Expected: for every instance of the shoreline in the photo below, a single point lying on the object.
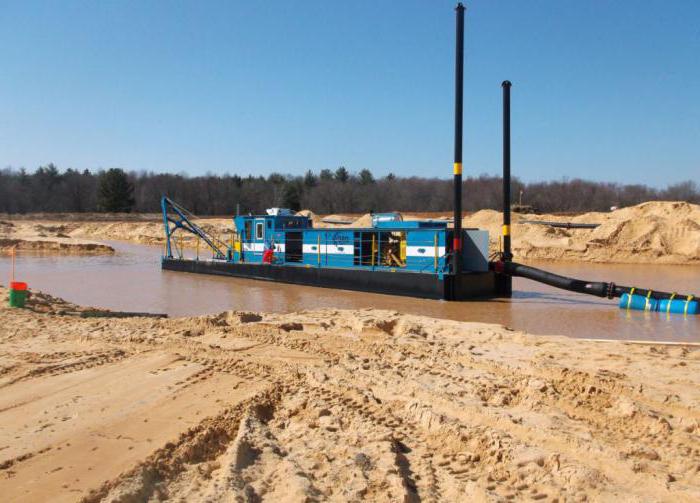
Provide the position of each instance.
(323, 404)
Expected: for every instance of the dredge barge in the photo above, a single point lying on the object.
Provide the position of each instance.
(412, 258)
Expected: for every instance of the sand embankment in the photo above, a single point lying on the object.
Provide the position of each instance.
(336, 405)
(649, 233)
(40, 238)
(78, 229)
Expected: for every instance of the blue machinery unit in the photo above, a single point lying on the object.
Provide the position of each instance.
(416, 246)
(403, 258)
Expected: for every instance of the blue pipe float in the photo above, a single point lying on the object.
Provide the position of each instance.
(630, 297)
(677, 305)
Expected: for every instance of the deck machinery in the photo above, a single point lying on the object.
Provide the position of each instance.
(412, 258)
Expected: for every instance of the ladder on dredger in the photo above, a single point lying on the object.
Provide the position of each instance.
(181, 218)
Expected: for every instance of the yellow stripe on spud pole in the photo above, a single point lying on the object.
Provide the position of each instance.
(458, 168)
(506, 230)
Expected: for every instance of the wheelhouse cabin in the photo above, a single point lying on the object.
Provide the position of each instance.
(283, 238)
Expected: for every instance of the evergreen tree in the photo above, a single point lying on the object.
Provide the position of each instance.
(276, 178)
(366, 177)
(115, 192)
(310, 179)
(292, 195)
(341, 174)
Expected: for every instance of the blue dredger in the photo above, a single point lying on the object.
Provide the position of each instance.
(412, 258)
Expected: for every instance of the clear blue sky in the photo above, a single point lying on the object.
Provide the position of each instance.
(605, 90)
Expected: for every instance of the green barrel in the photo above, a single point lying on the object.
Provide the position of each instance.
(17, 298)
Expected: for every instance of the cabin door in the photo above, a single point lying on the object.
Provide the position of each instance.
(259, 232)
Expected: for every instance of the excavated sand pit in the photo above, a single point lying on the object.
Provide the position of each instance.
(649, 233)
(336, 405)
(32, 237)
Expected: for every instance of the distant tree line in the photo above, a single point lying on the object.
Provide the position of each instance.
(49, 189)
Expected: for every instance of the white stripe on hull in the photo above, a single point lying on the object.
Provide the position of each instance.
(411, 251)
(329, 249)
(424, 251)
(260, 247)
(253, 247)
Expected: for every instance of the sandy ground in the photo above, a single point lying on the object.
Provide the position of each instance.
(336, 406)
(653, 232)
(649, 233)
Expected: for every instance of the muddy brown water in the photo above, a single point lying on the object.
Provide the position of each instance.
(131, 280)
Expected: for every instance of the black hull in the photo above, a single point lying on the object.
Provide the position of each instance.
(481, 285)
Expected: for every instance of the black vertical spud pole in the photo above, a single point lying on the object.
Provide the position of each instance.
(507, 255)
(459, 90)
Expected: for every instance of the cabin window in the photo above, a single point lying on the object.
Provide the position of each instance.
(259, 230)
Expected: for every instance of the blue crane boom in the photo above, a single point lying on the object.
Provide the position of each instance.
(180, 220)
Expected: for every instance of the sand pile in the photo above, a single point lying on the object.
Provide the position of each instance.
(32, 237)
(150, 233)
(364, 221)
(55, 245)
(336, 405)
(325, 221)
(83, 236)
(144, 233)
(654, 232)
(313, 216)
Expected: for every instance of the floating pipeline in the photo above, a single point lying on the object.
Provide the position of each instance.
(687, 305)
(630, 297)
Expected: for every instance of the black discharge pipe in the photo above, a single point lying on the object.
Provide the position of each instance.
(597, 288)
(560, 225)
(457, 171)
